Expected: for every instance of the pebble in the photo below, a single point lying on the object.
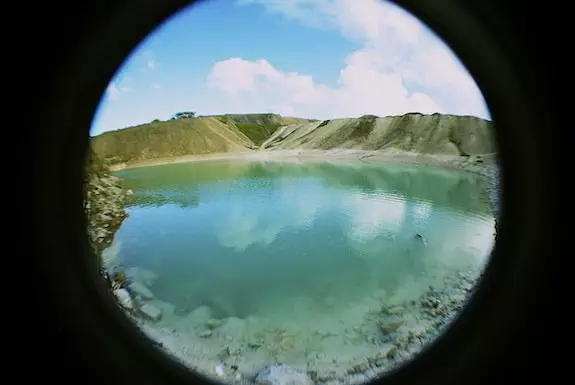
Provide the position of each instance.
(390, 327)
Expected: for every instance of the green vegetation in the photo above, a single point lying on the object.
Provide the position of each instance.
(258, 133)
(202, 135)
(94, 165)
(188, 134)
(364, 126)
(351, 130)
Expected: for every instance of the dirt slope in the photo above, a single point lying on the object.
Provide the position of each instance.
(193, 136)
(426, 134)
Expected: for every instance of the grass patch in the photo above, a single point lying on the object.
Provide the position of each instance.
(363, 126)
(258, 133)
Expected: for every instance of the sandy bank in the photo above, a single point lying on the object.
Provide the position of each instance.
(180, 159)
(386, 156)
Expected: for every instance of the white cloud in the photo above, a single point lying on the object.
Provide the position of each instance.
(401, 67)
(114, 90)
(371, 217)
(145, 61)
(245, 226)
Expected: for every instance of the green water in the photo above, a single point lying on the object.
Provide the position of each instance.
(292, 241)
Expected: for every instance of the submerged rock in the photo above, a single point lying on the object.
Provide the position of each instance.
(143, 276)
(151, 312)
(282, 374)
(390, 327)
(167, 308)
(199, 315)
(138, 289)
(213, 323)
(233, 326)
(205, 334)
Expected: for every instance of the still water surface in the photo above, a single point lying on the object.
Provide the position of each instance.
(291, 241)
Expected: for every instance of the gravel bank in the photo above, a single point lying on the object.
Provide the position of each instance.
(493, 188)
(104, 203)
(396, 333)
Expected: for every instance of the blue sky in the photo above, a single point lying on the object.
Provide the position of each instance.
(310, 58)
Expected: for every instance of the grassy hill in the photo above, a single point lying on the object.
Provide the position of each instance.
(189, 136)
(425, 134)
(258, 127)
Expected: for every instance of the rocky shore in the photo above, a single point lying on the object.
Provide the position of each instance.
(225, 348)
(493, 186)
(104, 203)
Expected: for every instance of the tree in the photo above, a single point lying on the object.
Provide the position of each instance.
(183, 115)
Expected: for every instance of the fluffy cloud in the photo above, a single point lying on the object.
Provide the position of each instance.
(371, 217)
(114, 90)
(247, 225)
(401, 67)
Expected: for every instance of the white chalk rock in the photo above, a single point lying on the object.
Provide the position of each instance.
(124, 298)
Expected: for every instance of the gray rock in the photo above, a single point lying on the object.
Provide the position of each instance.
(282, 374)
(199, 315)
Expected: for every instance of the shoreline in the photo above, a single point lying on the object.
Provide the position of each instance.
(177, 159)
(371, 156)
